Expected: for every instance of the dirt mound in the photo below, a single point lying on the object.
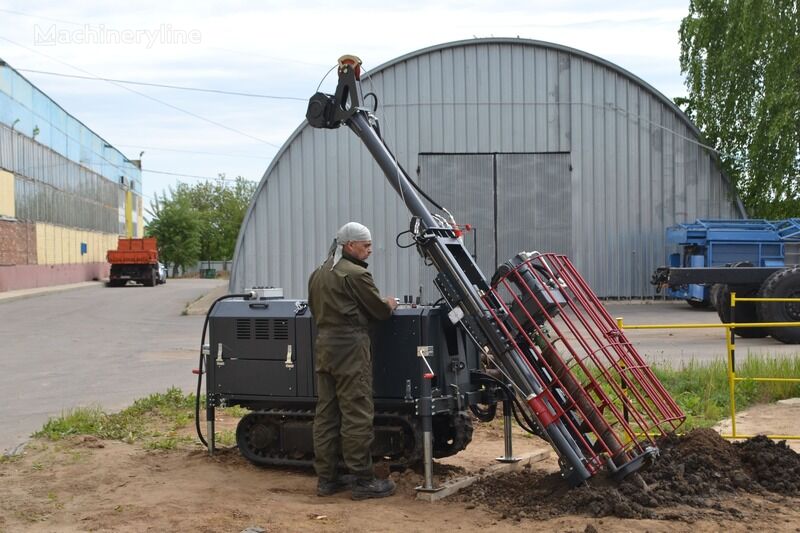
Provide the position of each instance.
(411, 478)
(775, 466)
(693, 471)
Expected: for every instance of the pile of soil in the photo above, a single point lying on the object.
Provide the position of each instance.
(409, 479)
(697, 470)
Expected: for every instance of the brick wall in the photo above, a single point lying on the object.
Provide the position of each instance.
(17, 243)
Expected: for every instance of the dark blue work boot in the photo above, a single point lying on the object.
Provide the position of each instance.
(373, 488)
(341, 483)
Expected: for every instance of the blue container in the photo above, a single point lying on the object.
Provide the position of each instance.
(715, 243)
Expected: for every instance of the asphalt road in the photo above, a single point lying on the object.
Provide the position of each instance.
(108, 347)
(675, 346)
(94, 346)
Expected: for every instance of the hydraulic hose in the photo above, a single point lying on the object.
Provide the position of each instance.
(200, 365)
(528, 425)
(486, 415)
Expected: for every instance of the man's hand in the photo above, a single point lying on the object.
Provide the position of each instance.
(391, 301)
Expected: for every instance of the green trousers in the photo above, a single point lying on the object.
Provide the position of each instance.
(343, 423)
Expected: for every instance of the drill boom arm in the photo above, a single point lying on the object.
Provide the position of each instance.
(594, 398)
(460, 280)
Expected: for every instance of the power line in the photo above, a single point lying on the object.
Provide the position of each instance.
(164, 85)
(270, 58)
(12, 12)
(237, 52)
(631, 115)
(215, 123)
(140, 147)
(181, 175)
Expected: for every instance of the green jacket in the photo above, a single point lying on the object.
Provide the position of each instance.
(346, 297)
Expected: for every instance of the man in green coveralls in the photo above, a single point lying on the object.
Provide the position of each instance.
(344, 300)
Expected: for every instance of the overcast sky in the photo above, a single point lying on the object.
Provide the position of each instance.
(280, 49)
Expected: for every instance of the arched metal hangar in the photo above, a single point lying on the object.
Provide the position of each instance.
(536, 145)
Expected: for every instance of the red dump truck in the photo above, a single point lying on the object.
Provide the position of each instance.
(135, 260)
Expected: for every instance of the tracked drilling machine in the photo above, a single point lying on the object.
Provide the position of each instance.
(535, 337)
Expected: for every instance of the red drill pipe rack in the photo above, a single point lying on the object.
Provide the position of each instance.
(594, 380)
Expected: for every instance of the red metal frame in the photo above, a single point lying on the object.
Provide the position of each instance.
(619, 406)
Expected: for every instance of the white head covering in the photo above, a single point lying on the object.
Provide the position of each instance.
(352, 231)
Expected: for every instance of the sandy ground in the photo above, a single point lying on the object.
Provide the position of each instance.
(84, 484)
(781, 418)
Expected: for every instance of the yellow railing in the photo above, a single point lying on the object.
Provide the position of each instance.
(730, 342)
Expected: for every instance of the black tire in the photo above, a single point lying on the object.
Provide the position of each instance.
(713, 294)
(697, 305)
(745, 312)
(782, 284)
(151, 280)
(257, 438)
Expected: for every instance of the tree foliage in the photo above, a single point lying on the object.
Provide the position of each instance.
(742, 64)
(217, 209)
(176, 226)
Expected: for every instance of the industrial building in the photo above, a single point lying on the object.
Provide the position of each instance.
(65, 193)
(536, 145)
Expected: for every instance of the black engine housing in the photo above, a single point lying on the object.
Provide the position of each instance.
(261, 357)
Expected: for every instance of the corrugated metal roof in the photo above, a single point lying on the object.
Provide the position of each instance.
(636, 163)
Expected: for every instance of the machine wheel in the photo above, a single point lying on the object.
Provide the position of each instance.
(697, 305)
(745, 312)
(150, 281)
(451, 434)
(257, 438)
(261, 437)
(782, 284)
(713, 294)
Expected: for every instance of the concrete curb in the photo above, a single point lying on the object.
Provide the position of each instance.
(10, 296)
(201, 305)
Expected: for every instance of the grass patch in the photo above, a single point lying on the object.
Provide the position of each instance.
(155, 421)
(701, 390)
(168, 442)
(172, 409)
(226, 437)
(236, 411)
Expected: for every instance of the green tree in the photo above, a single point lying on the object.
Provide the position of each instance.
(233, 206)
(219, 207)
(222, 205)
(742, 64)
(176, 225)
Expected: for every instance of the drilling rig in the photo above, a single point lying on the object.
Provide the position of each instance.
(534, 336)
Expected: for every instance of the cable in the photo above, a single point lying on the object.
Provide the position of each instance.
(239, 156)
(237, 52)
(163, 85)
(180, 175)
(517, 409)
(12, 12)
(325, 76)
(603, 107)
(273, 59)
(200, 365)
(404, 246)
(372, 92)
(397, 165)
(413, 184)
(218, 124)
(486, 415)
